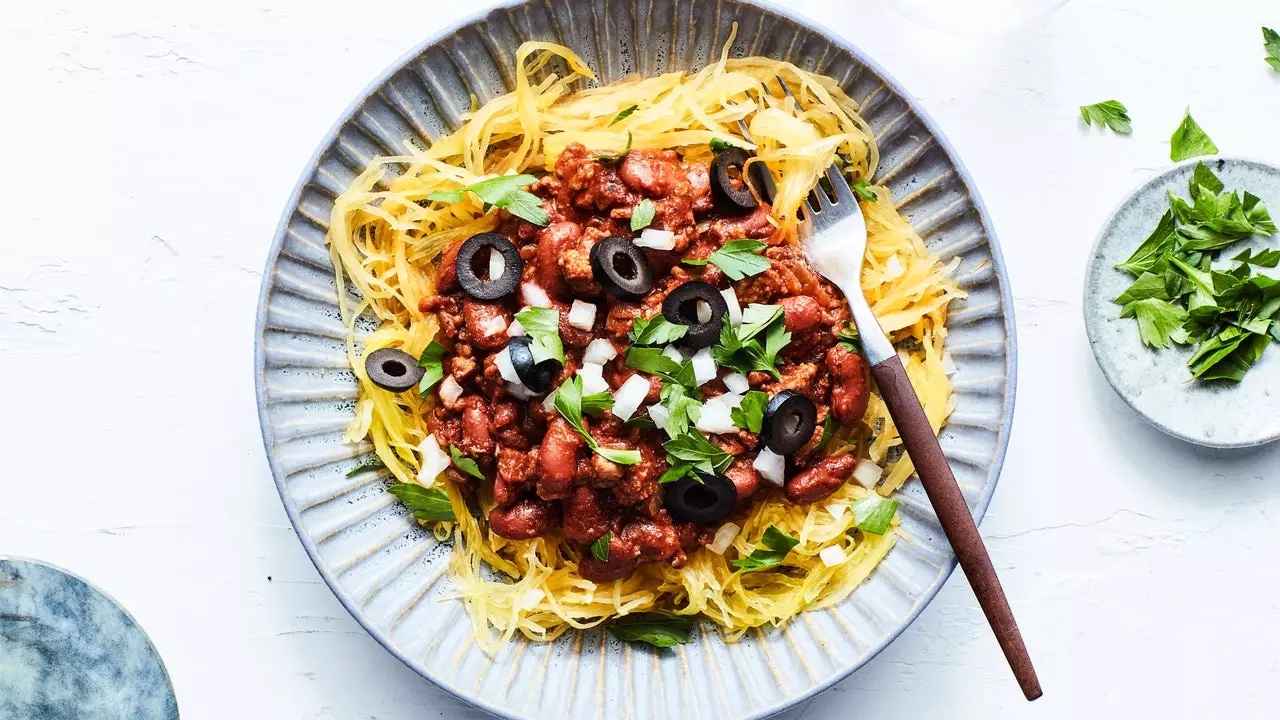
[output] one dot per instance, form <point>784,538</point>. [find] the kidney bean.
<point>523,521</point>
<point>447,278</point>
<point>851,386</point>
<point>621,563</point>
<point>820,480</point>
<point>557,459</point>
<point>475,427</point>
<point>744,477</point>
<point>801,313</point>
<point>552,242</point>
<point>477,314</point>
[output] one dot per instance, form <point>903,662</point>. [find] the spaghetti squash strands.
<point>386,237</point>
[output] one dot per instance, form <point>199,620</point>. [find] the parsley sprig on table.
<point>1109,113</point>
<point>1178,297</point>
<point>1271,41</point>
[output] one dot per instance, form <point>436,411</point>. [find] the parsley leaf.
<point>874,514</point>
<point>741,258</point>
<point>718,144</point>
<point>862,189</point>
<point>830,427</point>
<point>643,214</point>
<point>597,403</point>
<point>427,504</point>
<point>778,544</point>
<point>504,191</point>
<point>569,403</point>
<point>750,412</point>
<point>694,448</point>
<point>657,629</point>
<point>1158,320</point>
<point>657,330</point>
<point>1161,241</point>
<point>651,360</point>
<point>432,358</point>
<point>607,158</point>
<point>757,317</point>
<point>1190,140</point>
<point>696,262</point>
<point>1109,113</point>
<point>374,464</point>
<point>739,350</point>
<point>1264,258</point>
<point>849,338</point>
<point>683,411</point>
<point>464,463</point>
<point>543,326</point>
<point>623,115</point>
<point>1271,40</point>
<point>600,548</point>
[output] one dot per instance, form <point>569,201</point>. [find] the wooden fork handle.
<point>953,514</point>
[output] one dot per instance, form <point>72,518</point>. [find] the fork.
<point>835,240</point>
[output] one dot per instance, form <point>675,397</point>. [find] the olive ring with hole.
<point>700,497</point>
<point>535,376</point>
<point>701,307</point>
<point>621,268</point>
<point>469,275</point>
<point>394,370</point>
<point>732,192</point>
<point>789,421</point>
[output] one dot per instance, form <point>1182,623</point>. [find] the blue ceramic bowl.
<point>390,574</point>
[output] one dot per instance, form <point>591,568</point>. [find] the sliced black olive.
<point>789,421</point>
<point>621,268</point>
<point>472,266</point>
<point>729,182</point>
<point>681,307</point>
<point>394,370</point>
<point>700,497</point>
<point>535,376</point>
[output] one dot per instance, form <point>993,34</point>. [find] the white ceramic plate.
<point>390,574</point>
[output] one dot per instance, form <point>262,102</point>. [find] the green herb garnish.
<point>610,158</point>
<point>427,504</point>
<point>657,330</point>
<point>1271,41</point>
<point>504,191</point>
<point>657,629</point>
<point>600,548</point>
<point>1110,113</point>
<point>830,427</point>
<point>464,463</point>
<point>874,514</point>
<point>683,410</point>
<point>750,412</point>
<point>694,449</point>
<point>543,326</point>
<point>432,358</point>
<point>623,115</point>
<point>718,144</point>
<point>849,338</point>
<point>1190,140</point>
<point>741,258</point>
<point>862,189</point>
<point>776,546</point>
<point>643,214</point>
<point>742,351</point>
<point>373,464</point>
<point>569,402</point>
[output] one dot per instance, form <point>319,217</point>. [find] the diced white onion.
<point>893,268</point>
<point>493,325</point>
<point>674,353</point>
<point>592,379</point>
<point>515,329</point>
<point>735,310</point>
<point>725,536</point>
<point>832,556</point>
<point>772,467</point>
<point>627,399</point>
<point>715,418</point>
<point>867,473</point>
<point>549,402</point>
<point>728,401</point>
<point>434,461</point>
<point>837,509</point>
<point>505,368</point>
<point>497,263</point>
<point>656,239</point>
<point>534,296</point>
<point>450,390</point>
<point>737,383</point>
<point>519,391</point>
<point>704,311</point>
<point>949,364</point>
<point>531,598</point>
<point>658,415</point>
<point>582,315</point>
<point>704,366</point>
<point>599,351</point>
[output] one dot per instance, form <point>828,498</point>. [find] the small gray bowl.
<point>1156,383</point>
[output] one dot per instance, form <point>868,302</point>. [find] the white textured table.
<point>148,151</point>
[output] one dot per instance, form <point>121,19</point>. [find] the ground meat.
<point>447,278</point>
<point>524,520</point>
<point>575,268</point>
<point>851,385</point>
<point>515,470</point>
<point>446,425</point>
<point>820,480</point>
<point>641,479</point>
<point>589,185</point>
<point>585,517</point>
<point>448,310</point>
<point>789,274</point>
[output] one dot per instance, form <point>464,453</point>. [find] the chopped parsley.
<point>642,215</point>
<point>623,115</point>
<point>694,450</point>
<point>750,412</point>
<point>432,358</point>
<point>1179,298</point>
<point>1109,113</point>
<point>830,427</point>
<point>683,410</point>
<point>1190,140</point>
<point>718,144</point>
<point>600,548</point>
<point>657,629</point>
<point>862,189</point>
<point>657,330</point>
<point>464,463</point>
<point>849,339</point>
<point>374,463</point>
<point>608,158</point>
<point>874,514</point>
<point>651,360</point>
<point>776,546</point>
<point>1271,41</point>
<point>426,504</point>
<point>741,349</point>
<point>569,402</point>
<point>740,258</point>
<point>543,326</point>
<point>504,191</point>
